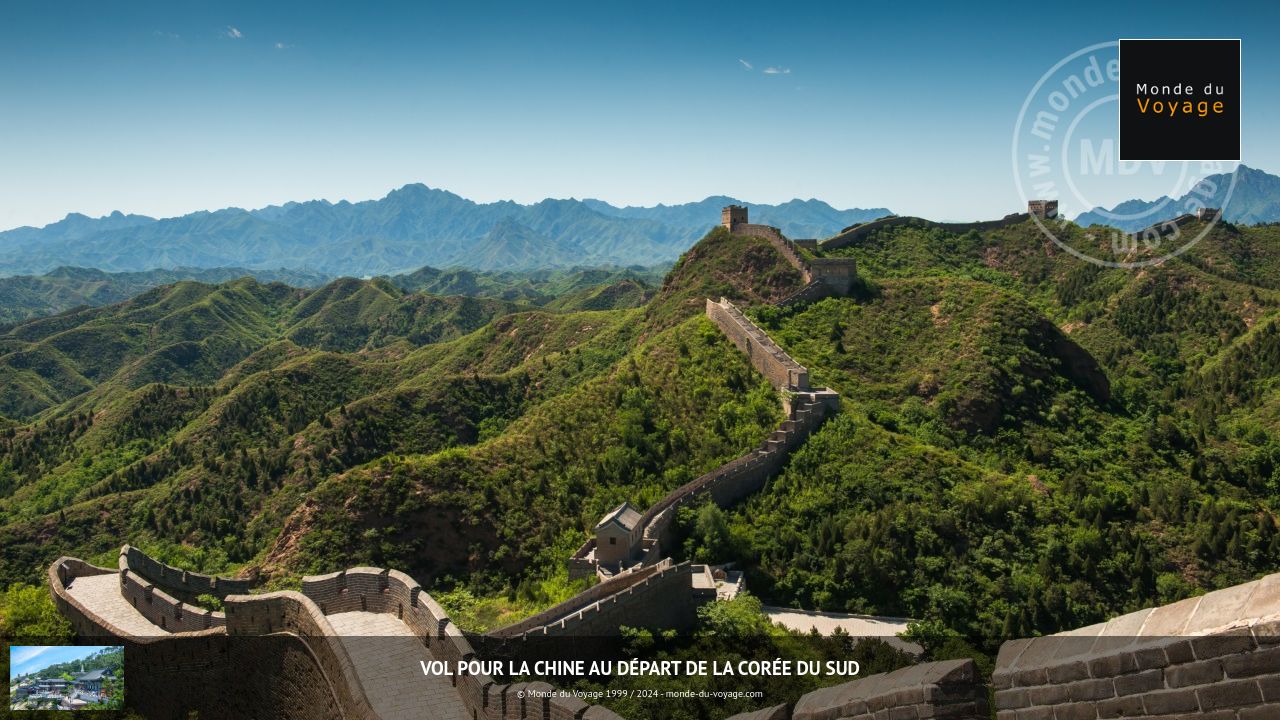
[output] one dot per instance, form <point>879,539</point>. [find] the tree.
<point>27,611</point>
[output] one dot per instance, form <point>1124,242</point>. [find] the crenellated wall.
<point>1162,228</point>
<point>587,597</point>
<point>1215,656</point>
<point>217,677</point>
<point>732,482</point>
<point>84,621</point>
<point>665,597</point>
<point>254,616</point>
<point>179,583</point>
<point>763,353</point>
<point>163,610</point>
<point>788,249</point>
<point>811,292</point>
<point>951,689</point>
<point>227,671</point>
<point>824,277</point>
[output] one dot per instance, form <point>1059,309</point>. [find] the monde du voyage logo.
<point>1180,100</point>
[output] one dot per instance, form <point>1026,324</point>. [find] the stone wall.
<point>580,601</point>
<point>854,233</point>
<point>394,592</point>
<point>224,678</point>
<point>665,599</point>
<point>1161,229</point>
<point>163,610</point>
<point>824,277</point>
<point>732,482</point>
<point>950,689</point>
<point>1216,656</point>
<point>728,484</point>
<point>177,582</point>
<point>84,621</point>
<point>765,355</point>
<point>814,291</point>
<point>253,616</point>
<point>838,274</point>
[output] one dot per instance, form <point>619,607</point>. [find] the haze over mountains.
<point>409,228</point>
<point>1254,199</point>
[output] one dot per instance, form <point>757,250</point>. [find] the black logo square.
<point>1180,100</point>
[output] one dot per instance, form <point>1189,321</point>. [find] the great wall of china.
<point>348,645</point>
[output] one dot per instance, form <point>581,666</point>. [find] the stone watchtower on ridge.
<point>1046,209</point>
<point>733,215</point>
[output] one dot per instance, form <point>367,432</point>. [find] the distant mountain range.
<point>409,228</point>
<point>1255,199</point>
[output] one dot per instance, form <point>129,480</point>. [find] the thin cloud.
<point>777,71</point>
<point>29,653</point>
<point>746,64</point>
<point>283,46</point>
<point>166,35</point>
<point>234,33</point>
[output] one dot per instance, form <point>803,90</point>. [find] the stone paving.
<point>101,593</point>
<point>386,656</point>
<point>826,623</point>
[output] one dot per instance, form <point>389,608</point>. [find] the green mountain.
<point>1031,442</point>
<point>1027,442</point>
<point>23,297</point>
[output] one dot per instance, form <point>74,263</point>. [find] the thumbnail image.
<point>66,677</point>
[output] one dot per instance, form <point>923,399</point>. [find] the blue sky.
<point>166,108</point>
<point>24,659</point>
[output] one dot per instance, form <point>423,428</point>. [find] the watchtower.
<point>1044,209</point>
<point>733,215</point>
<point>618,535</point>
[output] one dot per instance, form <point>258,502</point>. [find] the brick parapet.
<point>294,613</point>
<point>177,582</point>
<point>949,689</point>
<point>587,597</point>
<point>1160,229</point>
<point>84,621</point>
<point>1217,653</point>
<point>665,598</point>
<point>764,354</point>
<point>814,291</point>
<point>162,609</point>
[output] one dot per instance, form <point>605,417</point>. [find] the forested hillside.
<point>278,431</point>
<point>1030,442</point>
<point>1027,443</point>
